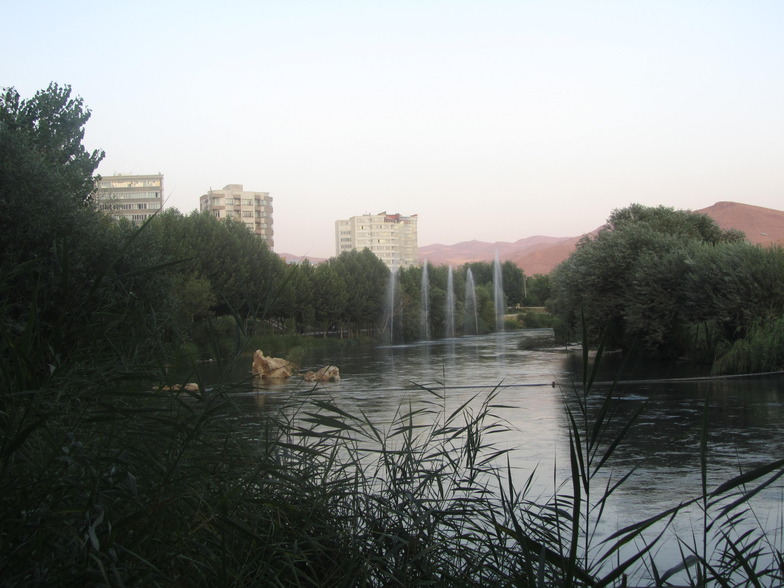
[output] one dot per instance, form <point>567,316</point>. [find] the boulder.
<point>189,387</point>
<point>272,368</point>
<point>329,373</point>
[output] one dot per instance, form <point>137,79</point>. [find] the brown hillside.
<point>544,260</point>
<point>764,226</point>
<point>467,251</point>
<point>539,255</point>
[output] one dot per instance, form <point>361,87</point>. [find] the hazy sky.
<point>490,120</point>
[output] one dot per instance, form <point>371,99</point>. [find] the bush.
<point>216,338</point>
<point>762,350</point>
<point>537,320</point>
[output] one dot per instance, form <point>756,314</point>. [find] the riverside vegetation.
<point>106,478</point>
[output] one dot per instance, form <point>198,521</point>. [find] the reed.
<point>762,350</point>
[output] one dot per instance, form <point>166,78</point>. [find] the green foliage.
<point>49,128</point>
<point>661,219</point>
<point>365,277</point>
<point>331,298</point>
<point>232,266</point>
<point>762,350</point>
<point>302,297</point>
<point>45,174</point>
<point>538,290</point>
<point>485,307</point>
<point>216,337</point>
<point>512,278</point>
<point>76,286</point>
<point>658,276</point>
<point>196,298</point>
<point>739,285</point>
<point>537,320</point>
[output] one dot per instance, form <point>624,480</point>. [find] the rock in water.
<point>329,373</point>
<point>272,368</point>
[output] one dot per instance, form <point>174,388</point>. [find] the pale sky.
<point>491,120</point>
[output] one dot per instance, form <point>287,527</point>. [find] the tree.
<point>366,278</point>
<point>304,296</point>
<point>51,123</point>
<point>669,221</point>
<point>538,290</point>
<point>331,297</point>
<point>408,303</point>
<point>627,281</point>
<point>244,276</point>
<point>74,283</point>
<point>734,286</point>
<point>513,279</point>
<point>46,177</point>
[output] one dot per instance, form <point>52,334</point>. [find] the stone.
<point>189,387</point>
<point>271,368</point>
<point>329,373</point>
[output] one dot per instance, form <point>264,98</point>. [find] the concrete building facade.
<point>392,237</point>
<point>252,208</point>
<point>135,197</point>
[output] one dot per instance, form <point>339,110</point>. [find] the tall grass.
<point>762,350</point>
<point>157,488</point>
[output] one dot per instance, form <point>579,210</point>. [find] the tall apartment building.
<point>252,208</point>
<point>392,237</point>
<point>133,197</point>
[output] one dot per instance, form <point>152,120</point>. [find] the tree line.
<point>67,265</point>
<point>218,268</point>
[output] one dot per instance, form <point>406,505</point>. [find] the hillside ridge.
<point>539,254</point>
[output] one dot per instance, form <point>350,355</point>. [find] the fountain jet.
<point>498,294</point>
<point>450,304</point>
<point>425,316</point>
<point>391,304</point>
<point>471,315</point>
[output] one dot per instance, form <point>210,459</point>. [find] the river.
<point>745,416</point>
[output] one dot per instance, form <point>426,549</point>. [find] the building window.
<point>128,195</point>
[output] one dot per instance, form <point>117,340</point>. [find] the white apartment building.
<point>252,208</point>
<point>392,237</point>
<point>133,197</point>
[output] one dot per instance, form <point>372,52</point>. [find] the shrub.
<point>762,350</point>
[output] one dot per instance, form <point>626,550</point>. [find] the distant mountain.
<point>539,254</point>
<point>291,258</point>
<point>466,251</point>
<point>544,260</point>
<point>763,226</point>
<point>535,255</point>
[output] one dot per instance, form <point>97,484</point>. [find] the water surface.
<point>536,385</point>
